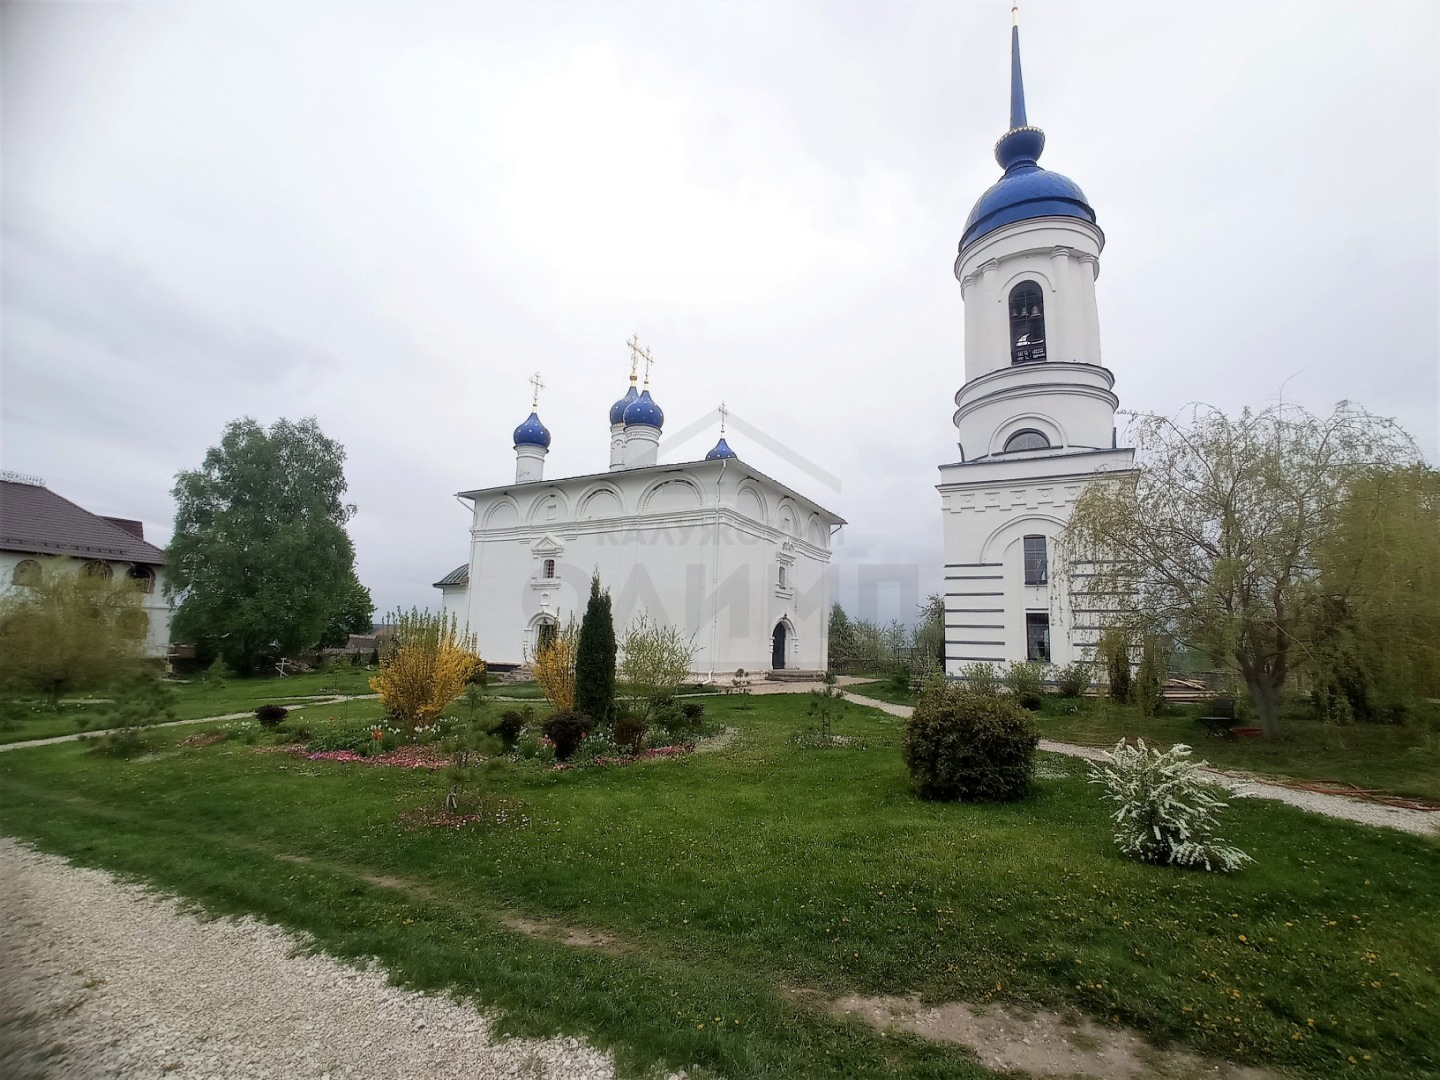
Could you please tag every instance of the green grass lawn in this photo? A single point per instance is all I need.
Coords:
(1403, 759)
(195, 697)
(730, 880)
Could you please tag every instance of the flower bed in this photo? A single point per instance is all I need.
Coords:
(402, 757)
(627, 759)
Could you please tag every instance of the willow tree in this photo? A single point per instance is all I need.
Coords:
(1378, 639)
(1214, 538)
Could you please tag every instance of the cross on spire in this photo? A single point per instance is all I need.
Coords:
(539, 385)
(724, 412)
(635, 353)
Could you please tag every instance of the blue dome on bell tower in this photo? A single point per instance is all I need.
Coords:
(1026, 190)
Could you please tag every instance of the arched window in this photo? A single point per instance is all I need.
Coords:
(27, 572)
(545, 635)
(1027, 324)
(1029, 439)
(98, 570)
(142, 577)
(547, 569)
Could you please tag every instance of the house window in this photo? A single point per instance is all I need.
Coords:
(1037, 565)
(1037, 636)
(547, 569)
(134, 624)
(1029, 439)
(142, 577)
(1027, 324)
(97, 569)
(27, 572)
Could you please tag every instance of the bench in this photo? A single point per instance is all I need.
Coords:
(1220, 719)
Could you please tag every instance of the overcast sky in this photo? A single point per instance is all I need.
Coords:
(389, 216)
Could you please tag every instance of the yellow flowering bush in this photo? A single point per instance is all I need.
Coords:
(425, 665)
(555, 671)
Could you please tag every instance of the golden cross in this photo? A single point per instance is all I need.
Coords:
(635, 353)
(724, 412)
(539, 385)
(648, 361)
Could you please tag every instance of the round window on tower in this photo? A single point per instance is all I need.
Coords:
(1029, 439)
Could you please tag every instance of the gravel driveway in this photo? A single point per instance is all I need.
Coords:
(104, 979)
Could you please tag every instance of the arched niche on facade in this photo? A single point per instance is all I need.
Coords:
(751, 502)
(670, 495)
(549, 508)
(503, 515)
(601, 501)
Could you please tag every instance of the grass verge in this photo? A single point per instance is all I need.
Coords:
(731, 879)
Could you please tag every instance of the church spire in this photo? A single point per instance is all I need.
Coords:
(1017, 82)
(1019, 147)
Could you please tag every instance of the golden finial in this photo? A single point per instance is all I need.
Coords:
(539, 385)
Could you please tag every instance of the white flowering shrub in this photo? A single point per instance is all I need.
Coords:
(1166, 813)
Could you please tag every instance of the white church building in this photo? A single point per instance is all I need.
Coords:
(735, 559)
(1035, 419)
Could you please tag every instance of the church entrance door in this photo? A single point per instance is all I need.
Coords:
(777, 648)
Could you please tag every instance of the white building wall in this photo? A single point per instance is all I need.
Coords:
(154, 603)
(699, 547)
(988, 509)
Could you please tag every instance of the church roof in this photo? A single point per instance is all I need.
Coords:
(532, 432)
(35, 520)
(617, 411)
(459, 576)
(1026, 190)
(644, 410)
(734, 463)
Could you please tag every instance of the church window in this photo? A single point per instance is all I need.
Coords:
(1037, 636)
(1027, 324)
(782, 576)
(547, 569)
(1029, 439)
(1037, 564)
(27, 572)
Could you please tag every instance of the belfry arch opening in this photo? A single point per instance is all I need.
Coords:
(1027, 324)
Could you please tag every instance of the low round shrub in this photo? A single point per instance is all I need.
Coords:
(566, 729)
(508, 727)
(964, 745)
(630, 733)
(271, 715)
(693, 711)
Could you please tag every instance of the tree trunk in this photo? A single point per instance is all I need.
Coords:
(1267, 704)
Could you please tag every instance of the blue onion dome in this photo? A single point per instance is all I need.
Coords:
(643, 410)
(532, 433)
(722, 450)
(1026, 190)
(617, 411)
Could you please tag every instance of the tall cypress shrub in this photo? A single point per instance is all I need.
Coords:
(595, 658)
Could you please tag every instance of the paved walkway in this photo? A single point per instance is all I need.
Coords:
(1419, 822)
(324, 699)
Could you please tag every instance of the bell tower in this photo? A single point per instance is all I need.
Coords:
(1035, 418)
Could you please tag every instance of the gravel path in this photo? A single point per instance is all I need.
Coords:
(1419, 822)
(104, 979)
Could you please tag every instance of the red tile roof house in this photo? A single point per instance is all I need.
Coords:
(36, 526)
